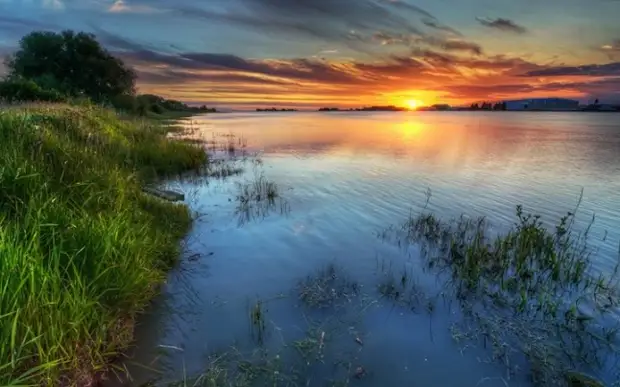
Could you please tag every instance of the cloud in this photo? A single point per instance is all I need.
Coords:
(456, 45)
(440, 27)
(451, 44)
(422, 66)
(115, 41)
(611, 50)
(408, 7)
(502, 25)
(592, 70)
(232, 79)
(327, 20)
(121, 6)
(614, 46)
(175, 77)
(54, 4)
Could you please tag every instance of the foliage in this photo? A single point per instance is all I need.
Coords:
(23, 90)
(146, 104)
(55, 67)
(82, 247)
(73, 63)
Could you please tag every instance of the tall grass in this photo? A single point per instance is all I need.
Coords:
(81, 247)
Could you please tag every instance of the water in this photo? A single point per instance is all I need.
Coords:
(346, 176)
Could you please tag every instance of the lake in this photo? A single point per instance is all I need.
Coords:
(342, 178)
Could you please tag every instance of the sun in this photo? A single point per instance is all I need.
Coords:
(413, 104)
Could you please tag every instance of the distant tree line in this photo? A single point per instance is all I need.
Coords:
(488, 106)
(389, 108)
(57, 67)
(276, 110)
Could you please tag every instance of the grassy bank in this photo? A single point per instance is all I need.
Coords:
(81, 247)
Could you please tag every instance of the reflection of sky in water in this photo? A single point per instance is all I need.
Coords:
(480, 163)
(347, 176)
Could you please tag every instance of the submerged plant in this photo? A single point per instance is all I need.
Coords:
(329, 287)
(531, 291)
(257, 198)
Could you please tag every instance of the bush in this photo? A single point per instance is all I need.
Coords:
(23, 90)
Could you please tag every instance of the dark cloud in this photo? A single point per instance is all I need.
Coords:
(295, 70)
(348, 22)
(408, 7)
(355, 14)
(393, 67)
(596, 70)
(503, 25)
(175, 77)
(386, 38)
(114, 41)
(299, 69)
(488, 91)
(440, 27)
(456, 45)
(608, 89)
(424, 65)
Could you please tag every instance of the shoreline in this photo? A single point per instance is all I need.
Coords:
(85, 249)
(431, 110)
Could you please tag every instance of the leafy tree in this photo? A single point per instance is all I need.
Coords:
(72, 63)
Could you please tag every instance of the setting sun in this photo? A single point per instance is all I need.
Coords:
(413, 104)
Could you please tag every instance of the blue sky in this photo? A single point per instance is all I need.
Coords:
(346, 52)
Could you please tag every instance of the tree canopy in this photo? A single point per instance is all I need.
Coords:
(72, 63)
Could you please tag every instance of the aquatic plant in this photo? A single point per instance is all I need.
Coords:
(257, 321)
(256, 198)
(82, 247)
(531, 293)
(329, 287)
(223, 170)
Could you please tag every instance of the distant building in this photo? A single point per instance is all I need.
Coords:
(542, 104)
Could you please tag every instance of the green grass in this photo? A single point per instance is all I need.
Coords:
(82, 249)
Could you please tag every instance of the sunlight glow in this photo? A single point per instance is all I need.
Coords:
(412, 130)
(413, 104)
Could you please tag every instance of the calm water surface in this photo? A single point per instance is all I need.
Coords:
(346, 176)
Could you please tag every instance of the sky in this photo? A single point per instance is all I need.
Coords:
(345, 53)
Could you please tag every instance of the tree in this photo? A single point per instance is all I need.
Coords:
(72, 63)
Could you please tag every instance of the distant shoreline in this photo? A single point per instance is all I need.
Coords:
(425, 110)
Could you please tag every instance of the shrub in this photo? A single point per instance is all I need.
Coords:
(23, 90)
